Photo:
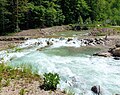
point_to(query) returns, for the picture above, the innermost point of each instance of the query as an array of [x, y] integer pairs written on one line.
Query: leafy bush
[[22, 92], [6, 83], [51, 81], [7, 73]]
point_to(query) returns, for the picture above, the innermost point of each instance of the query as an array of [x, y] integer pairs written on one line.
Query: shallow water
[[78, 69]]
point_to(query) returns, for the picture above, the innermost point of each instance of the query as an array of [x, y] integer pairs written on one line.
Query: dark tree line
[[17, 15]]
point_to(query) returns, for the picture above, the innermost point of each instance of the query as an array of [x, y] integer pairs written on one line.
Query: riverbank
[[26, 85], [22, 81], [17, 38]]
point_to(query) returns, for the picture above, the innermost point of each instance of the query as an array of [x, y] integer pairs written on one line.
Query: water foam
[[77, 73]]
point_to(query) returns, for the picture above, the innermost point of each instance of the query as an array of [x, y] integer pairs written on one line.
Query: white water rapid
[[78, 71]]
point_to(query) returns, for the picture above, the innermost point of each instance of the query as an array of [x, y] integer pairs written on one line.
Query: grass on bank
[[7, 74], [50, 80]]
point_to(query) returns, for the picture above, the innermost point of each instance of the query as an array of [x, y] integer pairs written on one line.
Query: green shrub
[[7, 72], [51, 81], [17, 29], [7, 83], [80, 20], [22, 92]]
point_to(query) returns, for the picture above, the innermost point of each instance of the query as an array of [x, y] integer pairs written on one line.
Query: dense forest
[[17, 15]]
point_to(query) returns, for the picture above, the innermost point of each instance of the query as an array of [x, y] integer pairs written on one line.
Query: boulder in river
[[116, 52], [40, 49], [69, 39], [49, 43], [103, 54], [118, 44], [96, 90], [117, 58], [61, 38]]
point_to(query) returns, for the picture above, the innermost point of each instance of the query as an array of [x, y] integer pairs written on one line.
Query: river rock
[[117, 58], [38, 43], [49, 43], [96, 39], [96, 90], [111, 50], [104, 54], [86, 42], [90, 40], [98, 42], [117, 45], [69, 39], [116, 52], [61, 38], [40, 49], [13, 38]]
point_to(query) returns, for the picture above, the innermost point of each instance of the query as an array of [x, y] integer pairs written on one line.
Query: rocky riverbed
[[113, 49]]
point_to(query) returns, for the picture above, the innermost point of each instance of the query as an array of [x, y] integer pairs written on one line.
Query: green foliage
[[72, 10], [7, 73], [22, 92], [51, 81], [88, 21], [6, 83], [17, 29], [80, 20], [25, 14]]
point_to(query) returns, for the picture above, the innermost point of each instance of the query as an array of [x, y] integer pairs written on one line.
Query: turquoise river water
[[78, 69]]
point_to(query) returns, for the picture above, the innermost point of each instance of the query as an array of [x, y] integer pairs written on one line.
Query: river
[[78, 69]]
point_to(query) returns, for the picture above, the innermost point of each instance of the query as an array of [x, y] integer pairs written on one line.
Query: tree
[[72, 10], [25, 14], [115, 16], [3, 13]]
